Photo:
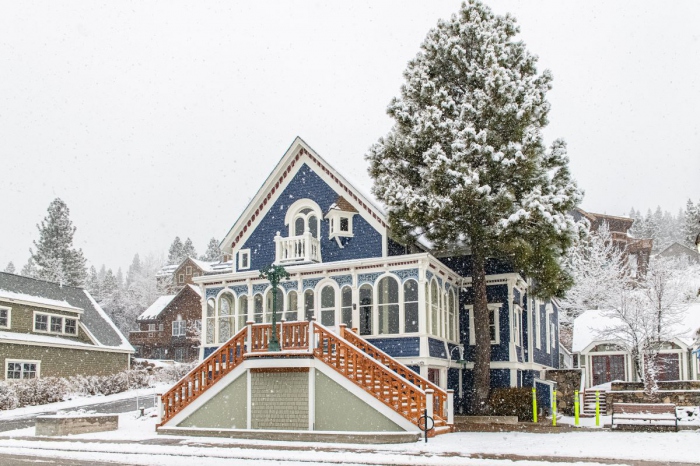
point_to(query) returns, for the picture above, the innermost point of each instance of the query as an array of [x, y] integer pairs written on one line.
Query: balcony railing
[[297, 249]]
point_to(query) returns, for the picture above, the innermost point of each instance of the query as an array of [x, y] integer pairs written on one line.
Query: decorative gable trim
[[298, 153]]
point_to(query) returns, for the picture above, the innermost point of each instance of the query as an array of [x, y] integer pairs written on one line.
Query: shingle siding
[[65, 362]]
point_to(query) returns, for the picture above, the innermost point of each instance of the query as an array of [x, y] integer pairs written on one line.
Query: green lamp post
[[274, 273]]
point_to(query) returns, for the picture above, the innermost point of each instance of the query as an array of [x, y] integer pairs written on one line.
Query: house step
[[589, 403]]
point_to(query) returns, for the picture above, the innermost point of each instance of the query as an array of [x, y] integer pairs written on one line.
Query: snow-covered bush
[[8, 397], [173, 373], [39, 391]]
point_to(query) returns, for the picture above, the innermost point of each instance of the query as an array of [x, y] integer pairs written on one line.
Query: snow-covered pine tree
[[92, 284], [29, 269], [188, 250], [108, 285], [10, 267], [691, 223], [175, 253], [134, 269], [465, 164], [637, 228], [213, 252], [55, 256]]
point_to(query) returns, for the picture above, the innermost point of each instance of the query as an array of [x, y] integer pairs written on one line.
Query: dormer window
[[304, 216], [340, 216]]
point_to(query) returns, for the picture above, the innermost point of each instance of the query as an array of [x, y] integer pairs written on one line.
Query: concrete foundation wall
[[62, 425]]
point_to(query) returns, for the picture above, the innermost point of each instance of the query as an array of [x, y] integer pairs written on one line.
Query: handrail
[[206, 374], [440, 395], [384, 384]]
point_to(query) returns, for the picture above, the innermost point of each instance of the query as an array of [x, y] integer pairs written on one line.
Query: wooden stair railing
[[383, 383], [439, 395], [205, 375]]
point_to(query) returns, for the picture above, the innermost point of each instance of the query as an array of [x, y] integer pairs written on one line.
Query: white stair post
[[160, 408], [450, 407], [249, 336], [429, 401]]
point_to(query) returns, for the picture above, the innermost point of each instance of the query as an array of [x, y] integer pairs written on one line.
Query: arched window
[[366, 309], [258, 309], [388, 305], [303, 216], [242, 311], [410, 306], [346, 306], [292, 307], [226, 317], [268, 305], [211, 321], [328, 306], [434, 308], [308, 304]]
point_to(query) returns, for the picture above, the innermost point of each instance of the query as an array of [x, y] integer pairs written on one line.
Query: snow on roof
[[196, 289], [124, 342], [12, 296], [589, 326], [156, 308]]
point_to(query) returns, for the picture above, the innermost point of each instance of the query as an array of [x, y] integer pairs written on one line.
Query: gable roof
[[296, 155], [50, 295], [677, 250], [205, 266], [160, 304]]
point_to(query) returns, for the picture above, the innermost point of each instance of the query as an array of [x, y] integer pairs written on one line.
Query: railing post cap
[[312, 319], [450, 390], [429, 390], [249, 322], [343, 325]]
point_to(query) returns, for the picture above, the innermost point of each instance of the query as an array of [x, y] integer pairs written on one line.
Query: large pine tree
[[56, 259], [213, 252], [465, 164], [175, 253]]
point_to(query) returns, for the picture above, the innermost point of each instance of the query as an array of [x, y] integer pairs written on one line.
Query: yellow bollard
[[597, 408], [534, 405], [576, 408], [554, 408]]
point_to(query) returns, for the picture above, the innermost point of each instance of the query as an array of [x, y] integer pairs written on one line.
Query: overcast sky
[[157, 119]]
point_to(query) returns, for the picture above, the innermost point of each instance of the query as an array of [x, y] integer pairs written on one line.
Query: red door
[[668, 367], [608, 368]]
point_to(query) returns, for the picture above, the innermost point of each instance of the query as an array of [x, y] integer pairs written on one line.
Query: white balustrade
[[302, 248]]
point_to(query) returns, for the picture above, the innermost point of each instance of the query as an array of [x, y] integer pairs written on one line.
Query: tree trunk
[[482, 350]]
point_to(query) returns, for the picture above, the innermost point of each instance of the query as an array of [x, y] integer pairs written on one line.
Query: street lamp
[[274, 273], [462, 365]]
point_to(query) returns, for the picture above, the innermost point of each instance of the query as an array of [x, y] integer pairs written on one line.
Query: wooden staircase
[[589, 403], [386, 379]]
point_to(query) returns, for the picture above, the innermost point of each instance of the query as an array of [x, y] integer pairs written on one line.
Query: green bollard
[[597, 408], [576, 408], [534, 405], [554, 408]]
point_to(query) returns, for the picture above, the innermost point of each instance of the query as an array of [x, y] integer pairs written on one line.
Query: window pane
[[344, 224], [292, 306], [410, 309], [313, 226], [328, 306], [308, 304], [211, 328], [41, 322], [346, 306], [258, 308], [434, 304], [242, 311], [492, 324], [365, 310], [225, 308], [210, 307], [299, 226], [3, 318]]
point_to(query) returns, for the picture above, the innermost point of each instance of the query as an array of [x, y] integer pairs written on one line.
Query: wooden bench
[[637, 414]]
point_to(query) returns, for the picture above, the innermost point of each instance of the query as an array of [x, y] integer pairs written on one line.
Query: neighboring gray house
[[48, 329], [678, 250]]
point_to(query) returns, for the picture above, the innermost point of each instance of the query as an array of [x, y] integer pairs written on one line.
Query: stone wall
[[568, 381], [280, 399], [680, 393]]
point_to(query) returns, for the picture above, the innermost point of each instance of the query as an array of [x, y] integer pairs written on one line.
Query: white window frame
[[334, 218], [23, 361], [241, 254], [49, 316], [181, 278], [9, 317], [549, 310], [181, 326], [495, 309], [188, 270], [151, 327], [517, 324], [294, 212], [538, 324]]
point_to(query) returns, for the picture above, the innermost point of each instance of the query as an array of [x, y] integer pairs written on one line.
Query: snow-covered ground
[[136, 442]]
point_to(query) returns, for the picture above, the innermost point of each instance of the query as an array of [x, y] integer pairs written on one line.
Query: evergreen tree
[[92, 284], [29, 269], [466, 167], [10, 267], [188, 250], [133, 271], [55, 257], [119, 277], [175, 253], [637, 230], [108, 285], [691, 223], [213, 251]]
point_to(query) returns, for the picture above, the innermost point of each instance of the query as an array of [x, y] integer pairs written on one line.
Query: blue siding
[[436, 348], [306, 184], [415, 369], [544, 397], [463, 265], [398, 347], [529, 378]]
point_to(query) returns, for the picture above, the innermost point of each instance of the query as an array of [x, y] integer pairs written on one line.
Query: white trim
[[240, 255], [84, 346], [23, 361], [549, 311], [48, 323], [9, 317]]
